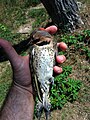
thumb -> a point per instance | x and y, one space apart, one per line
51 29
10 51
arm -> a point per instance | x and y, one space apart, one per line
19 105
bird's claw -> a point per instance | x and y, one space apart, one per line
40 108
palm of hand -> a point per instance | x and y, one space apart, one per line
21 71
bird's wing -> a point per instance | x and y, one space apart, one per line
36 84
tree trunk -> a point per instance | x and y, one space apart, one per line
64 13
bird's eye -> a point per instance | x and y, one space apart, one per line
37 40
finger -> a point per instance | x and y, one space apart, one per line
62 46
9 50
57 69
52 29
60 59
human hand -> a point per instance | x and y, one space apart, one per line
20 64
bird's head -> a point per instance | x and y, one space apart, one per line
40 37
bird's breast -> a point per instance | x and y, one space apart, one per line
43 61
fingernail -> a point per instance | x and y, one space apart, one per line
61 58
57 69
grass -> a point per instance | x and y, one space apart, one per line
37 14
12 19
5 82
24 3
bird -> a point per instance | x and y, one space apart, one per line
41 62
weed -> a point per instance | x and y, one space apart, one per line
86 50
79 42
86 32
65 89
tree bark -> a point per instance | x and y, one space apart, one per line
64 13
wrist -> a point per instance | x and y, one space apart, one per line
19 104
23 88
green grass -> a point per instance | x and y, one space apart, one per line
24 3
6 33
12 19
40 16
5 83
